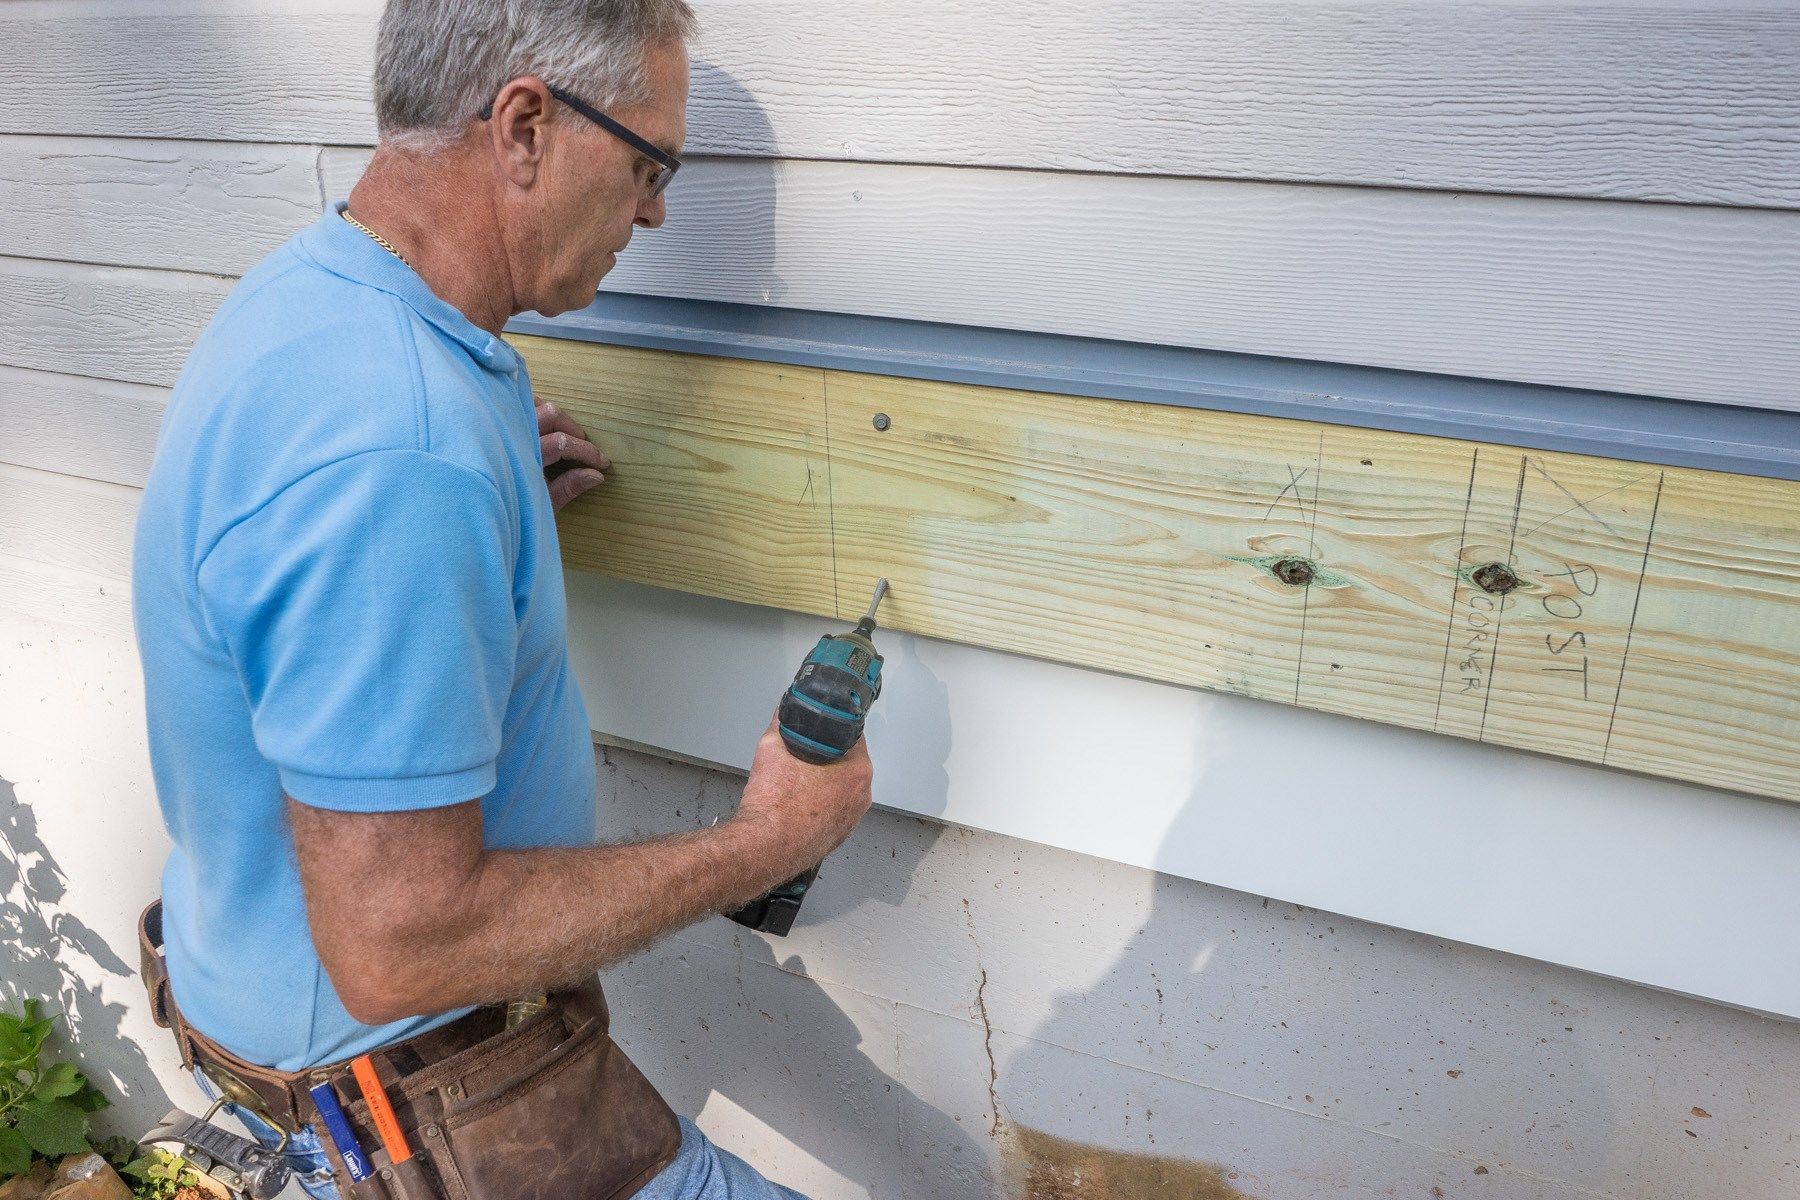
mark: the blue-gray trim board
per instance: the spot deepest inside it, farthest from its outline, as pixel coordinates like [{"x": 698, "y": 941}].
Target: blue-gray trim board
[{"x": 1682, "y": 433}]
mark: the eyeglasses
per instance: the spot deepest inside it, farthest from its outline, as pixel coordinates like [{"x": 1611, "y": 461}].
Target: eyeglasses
[{"x": 664, "y": 164}]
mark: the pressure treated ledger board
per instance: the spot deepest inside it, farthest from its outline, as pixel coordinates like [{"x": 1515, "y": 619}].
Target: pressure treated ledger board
[{"x": 1654, "y": 623}]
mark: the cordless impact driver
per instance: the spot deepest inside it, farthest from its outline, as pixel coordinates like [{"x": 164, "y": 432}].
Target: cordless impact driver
[{"x": 821, "y": 717}]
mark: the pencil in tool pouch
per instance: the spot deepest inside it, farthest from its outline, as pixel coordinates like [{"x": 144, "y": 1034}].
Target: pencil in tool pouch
[{"x": 408, "y": 1178}]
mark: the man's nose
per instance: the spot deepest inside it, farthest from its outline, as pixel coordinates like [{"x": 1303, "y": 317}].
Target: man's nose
[{"x": 651, "y": 213}]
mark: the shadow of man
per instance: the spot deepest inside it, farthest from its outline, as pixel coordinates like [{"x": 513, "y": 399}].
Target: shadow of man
[
  {"x": 761, "y": 1043},
  {"x": 1242, "y": 1046}
]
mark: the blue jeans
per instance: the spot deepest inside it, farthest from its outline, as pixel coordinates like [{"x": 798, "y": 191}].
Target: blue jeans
[{"x": 700, "y": 1171}]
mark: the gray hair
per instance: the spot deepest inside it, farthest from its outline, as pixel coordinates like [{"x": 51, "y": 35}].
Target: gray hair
[{"x": 439, "y": 62}]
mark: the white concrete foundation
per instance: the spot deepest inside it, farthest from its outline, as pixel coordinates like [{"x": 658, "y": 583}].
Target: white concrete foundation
[{"x": 963, "y": 1015}]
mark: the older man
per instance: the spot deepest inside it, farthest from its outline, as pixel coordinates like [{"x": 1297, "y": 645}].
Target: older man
[{"x": 367, "y": 742}]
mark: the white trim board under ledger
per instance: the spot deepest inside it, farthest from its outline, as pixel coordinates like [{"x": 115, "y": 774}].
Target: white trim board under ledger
[{"x": 1660, "y": 883}]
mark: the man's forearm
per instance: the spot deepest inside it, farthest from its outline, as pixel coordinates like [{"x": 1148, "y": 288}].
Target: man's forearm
[{"x": 531, "y": 920}]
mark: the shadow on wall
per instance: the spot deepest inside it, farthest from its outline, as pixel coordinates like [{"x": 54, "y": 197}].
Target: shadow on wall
[
  {"x": 1232, "y": 1017},
  {"x": 50, "y": 954},
  {"x": 735, "y": 230},
  {"x": 757, "y": 1034}
]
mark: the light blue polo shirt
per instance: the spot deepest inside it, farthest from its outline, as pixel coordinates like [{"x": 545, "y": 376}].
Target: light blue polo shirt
[{"x": 347, "y": 587}]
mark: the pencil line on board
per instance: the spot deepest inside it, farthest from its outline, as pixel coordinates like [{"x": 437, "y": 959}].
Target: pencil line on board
[
  {"x": 1462, "y": 539},
  {"x": 1643, "y": 567}
]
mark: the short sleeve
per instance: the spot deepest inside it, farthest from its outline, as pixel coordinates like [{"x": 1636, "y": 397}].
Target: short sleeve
[{"x": 368, "y": 607}]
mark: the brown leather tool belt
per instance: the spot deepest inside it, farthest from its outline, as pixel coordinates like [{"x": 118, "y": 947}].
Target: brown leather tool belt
[{"x": 550, "y": 1107}]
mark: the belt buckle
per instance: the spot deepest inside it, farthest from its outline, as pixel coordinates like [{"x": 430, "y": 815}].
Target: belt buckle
[{"x": 233, "y": 1090}]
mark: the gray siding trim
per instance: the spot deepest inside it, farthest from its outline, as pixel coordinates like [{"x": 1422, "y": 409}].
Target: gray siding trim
[{"x": 1747, "y": 441}]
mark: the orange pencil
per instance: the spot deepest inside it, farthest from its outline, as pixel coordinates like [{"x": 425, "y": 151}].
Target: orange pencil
[{"x": 380, "y": 1111}]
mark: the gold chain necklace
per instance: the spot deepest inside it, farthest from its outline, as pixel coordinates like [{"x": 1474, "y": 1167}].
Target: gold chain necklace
[{"x": 379, "y": 240}]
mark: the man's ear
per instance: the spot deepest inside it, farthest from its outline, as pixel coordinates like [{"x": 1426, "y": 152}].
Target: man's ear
[{"x": 518, "y": 127}]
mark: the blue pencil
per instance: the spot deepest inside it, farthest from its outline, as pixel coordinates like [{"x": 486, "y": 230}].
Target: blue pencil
[{"x": 338, "y": 1126}]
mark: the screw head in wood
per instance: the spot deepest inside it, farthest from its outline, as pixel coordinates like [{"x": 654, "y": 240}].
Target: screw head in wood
[
  {"x": 1296, "y": 572},
  {"x": 1495, "y": 578},
  {"x": 882, "y": 422}
]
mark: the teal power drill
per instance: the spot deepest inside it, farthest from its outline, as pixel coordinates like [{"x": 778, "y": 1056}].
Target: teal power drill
[{"x": 821, "y": 717}]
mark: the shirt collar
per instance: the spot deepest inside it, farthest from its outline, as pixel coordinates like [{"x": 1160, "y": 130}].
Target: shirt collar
[{"x": 345, "y": 250}]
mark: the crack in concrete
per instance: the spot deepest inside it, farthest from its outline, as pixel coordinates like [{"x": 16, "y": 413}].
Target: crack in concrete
[
  {"x": 987, "y": 1030},
  {"x": 987, "y": 1043},
  {"x": 998, "y": 1121}
]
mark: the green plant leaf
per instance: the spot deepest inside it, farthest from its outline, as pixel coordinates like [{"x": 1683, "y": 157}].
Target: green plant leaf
[
  {"x": 59, "y": 1080},
  {"x": 18, "y": 1048},
  {"x": 15, "y": 1152},
  {"x": 52, "y": 1126},
  {"x": 90, "y": 1099}
]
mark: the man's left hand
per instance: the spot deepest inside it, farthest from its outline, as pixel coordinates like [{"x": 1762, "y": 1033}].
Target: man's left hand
[{"x": 566, "y": 442}]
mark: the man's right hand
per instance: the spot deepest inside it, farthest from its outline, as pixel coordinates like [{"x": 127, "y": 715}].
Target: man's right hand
[
  {"x": 413, "y": 913},
  {"x": 804, "y": 810}
]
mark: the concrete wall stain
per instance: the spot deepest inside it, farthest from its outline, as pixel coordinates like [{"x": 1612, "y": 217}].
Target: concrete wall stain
[{"x": 1042, "y": 1166}]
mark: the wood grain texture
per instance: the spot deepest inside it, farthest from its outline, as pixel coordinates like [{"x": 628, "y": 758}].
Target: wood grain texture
[
  {"x": 1689, "y": 102},
  {"x": 66, "y": 522},
  {"x": 1560, "y": 98},
  {"x": 106, "y": 322},
  {"x": 1655, "y": 622},
  {"x": 720, "y": 481},
  {"x": 1695, "y": 303},
  {"x": 192, "y": 206},
  {"x": 249, "y": 71},
  {"x": 65, "y": 547},
  {"x": 95, "y": 428},
  {"x": 97, "y": 603},
  {"x": 341, "y": 166}
]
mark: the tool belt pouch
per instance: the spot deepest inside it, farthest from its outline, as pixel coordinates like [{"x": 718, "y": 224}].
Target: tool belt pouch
[{"x": 551, "y": 1107}]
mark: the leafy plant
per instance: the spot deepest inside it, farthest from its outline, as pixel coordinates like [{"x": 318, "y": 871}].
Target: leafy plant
[
  {"x": 44, "y": 1107},
  {"x": 158, "y": 1175}
]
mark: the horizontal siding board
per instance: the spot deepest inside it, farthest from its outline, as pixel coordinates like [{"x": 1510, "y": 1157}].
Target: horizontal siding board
[
  {"x": 1686, "y": 302},
  {"x": 341, "y": 166},
  {"x": 105, "y": 322},
  {"x": 247, "y": 73},
  {"x": 1681, "y": 102},
  {"x": 95, "y": 428},
  {"x": 73, "y": 524},
  {"x": 97, "y": 603},
  {"x": 191, "y": 206},
  {"x": 1677, "y": 102}
]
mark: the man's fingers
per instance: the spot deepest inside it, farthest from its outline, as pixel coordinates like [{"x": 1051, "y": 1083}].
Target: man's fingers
[
  {"x": 552, "y": 419},
  {"x": 561, "y": 446},
  {"x": 571, "y": 484}
]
